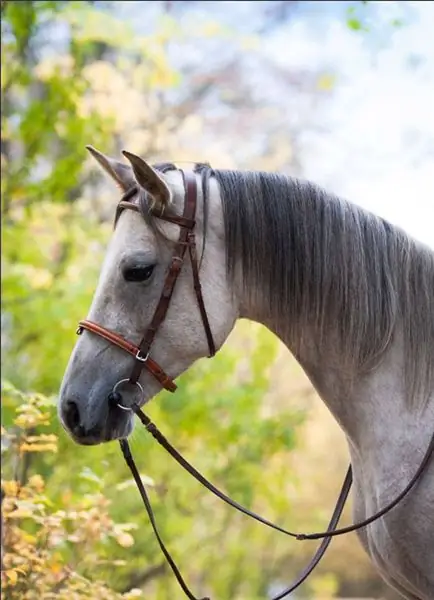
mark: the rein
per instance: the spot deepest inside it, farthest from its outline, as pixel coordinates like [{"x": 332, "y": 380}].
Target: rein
[{"x": 141, "y": 354}]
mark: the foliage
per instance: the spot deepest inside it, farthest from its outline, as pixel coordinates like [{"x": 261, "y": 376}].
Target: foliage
[
  {"x": 42, "y": 97},
  {"x": 50, "y": 264},
  {"x": 217, "y": 435},
  {"x": 51, "y": 550}
]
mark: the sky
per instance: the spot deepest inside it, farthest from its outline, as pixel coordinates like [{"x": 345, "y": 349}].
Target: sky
[
  {"x": 377, "y": 144},
  {"x": 379, "y": 147}
]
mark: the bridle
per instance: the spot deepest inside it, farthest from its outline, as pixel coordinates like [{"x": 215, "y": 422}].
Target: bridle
[
  {"x": 143, "y": 359},
  {"x": 186, "y": 240}
]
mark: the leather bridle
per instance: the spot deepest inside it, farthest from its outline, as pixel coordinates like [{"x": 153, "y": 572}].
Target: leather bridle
[
  {"x": 186, "y": 240},
  {"x": 141, "y": 354}
]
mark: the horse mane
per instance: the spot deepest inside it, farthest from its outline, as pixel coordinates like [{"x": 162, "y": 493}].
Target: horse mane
[{"x": 322, "y": 261}]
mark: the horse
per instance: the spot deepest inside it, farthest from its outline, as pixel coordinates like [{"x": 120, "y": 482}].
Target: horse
[{"x": 348, "y": 293}]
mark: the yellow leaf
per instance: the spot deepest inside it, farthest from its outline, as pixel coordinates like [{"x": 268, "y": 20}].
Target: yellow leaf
[
  {"x": 27, "y": 421},
  {"x": 36, "y": 482},
  {"x": 41, "y": 279},
  {"x": 10, "y": 488},
  {"x": 66, "y": 497},
  {"x": 43, "y": 437},
  {"x": 12, "y": 575},
  {"x": 38, "y": 447},
  {"x": 124, "y": 539},
  {"x": 26, "y": 537},
  {"x": 133, "y": 593},
  {"x": 56, "y": 567}
]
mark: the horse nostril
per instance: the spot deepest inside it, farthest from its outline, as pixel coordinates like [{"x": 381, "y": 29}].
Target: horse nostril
[{"x": 72, "y": 415}]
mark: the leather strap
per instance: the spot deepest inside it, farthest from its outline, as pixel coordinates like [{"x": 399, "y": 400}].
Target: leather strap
[
  {"x": 325, "y": 536},
  {"x": 383, "y": 511},
  {"x": 171, "y": 277},
  {"x": 176, "y": 220},
  {"x": 199, "y": 295},
  {"x": 130, "y": 462},
  {"x": 124, "y": 344},
  {"x": 186, "y": 239},
  {"x": 316, "y": 558},
  {"x": 155, "y": 432},
  {"x": 161, "y": 439}
]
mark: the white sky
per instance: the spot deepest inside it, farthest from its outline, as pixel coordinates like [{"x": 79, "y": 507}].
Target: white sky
[{"x": 379, "y": 149}]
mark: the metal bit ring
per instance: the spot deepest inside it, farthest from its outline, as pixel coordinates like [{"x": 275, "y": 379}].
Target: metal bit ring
[{"x": 119, "y": 383}]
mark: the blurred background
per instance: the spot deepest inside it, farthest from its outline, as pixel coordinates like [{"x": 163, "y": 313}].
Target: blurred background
[{"x": 338, "y": 92}]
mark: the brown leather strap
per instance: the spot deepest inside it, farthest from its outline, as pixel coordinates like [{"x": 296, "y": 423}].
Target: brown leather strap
[
  {"x": 325, "y": 542},
  {"x": 126, "y": 202},
  {"x": 172, "y": 274},
  {"x": 383, "y": 511},
  {"x": 326, "y": 536},
  {"x": 161, "y": 439},
  {"x": 199, "y": 295},
  {"x": 130, "y": 462},
  {"x": 155, "y": 432},
  {"x": 122, "y": 343},
  {"x": 176, "y": 220}
]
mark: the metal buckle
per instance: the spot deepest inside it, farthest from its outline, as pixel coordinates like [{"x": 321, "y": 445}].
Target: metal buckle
[
  {"x": 141, "y": 358},
  {"x": 120, "y": 382}
]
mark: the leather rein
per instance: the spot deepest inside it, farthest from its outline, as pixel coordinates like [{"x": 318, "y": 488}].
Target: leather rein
[{"x": 141, "y": 353}]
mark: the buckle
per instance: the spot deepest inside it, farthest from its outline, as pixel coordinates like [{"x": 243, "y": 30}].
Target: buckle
[{"x": 141, "y": 358}]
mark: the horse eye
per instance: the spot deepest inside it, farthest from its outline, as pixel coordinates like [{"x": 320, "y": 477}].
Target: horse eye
[{"x": 138, "y": 273}]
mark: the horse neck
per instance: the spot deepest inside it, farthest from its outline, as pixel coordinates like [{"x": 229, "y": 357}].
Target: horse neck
[
  {"x": 332, "y": 343},
  {"x": 363, "y": 404}
]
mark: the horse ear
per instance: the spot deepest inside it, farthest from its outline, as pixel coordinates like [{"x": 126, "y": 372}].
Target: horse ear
[
  {"x": 118, "y": 171},
  {"x": 149, "y": 179}
]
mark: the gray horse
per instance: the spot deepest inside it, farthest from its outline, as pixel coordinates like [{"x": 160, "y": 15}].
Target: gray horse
[{"x": 349, "y": 294}]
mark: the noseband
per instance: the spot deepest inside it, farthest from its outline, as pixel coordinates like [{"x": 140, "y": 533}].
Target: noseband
[{"x": 141, "y": 354}]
